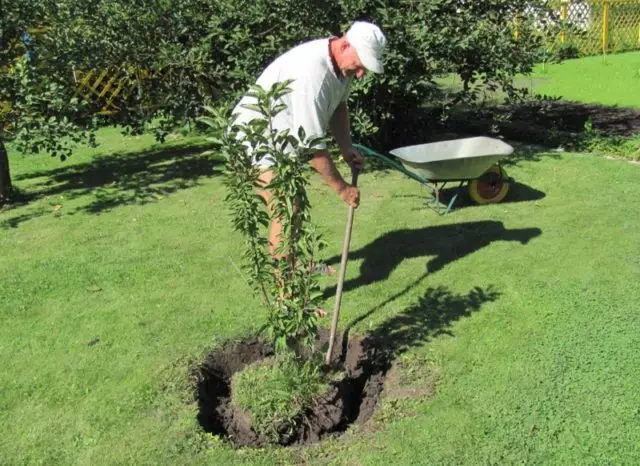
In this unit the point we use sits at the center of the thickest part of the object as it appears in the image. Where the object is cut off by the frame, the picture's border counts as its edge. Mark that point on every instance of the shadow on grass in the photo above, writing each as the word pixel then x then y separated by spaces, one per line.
pixel 518 192
pixel 120 179
pixel 447 243
pixel 14 222
pixel 430 316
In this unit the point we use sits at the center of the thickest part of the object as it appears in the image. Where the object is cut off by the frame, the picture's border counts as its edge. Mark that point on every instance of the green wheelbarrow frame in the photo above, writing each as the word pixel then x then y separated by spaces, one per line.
pixel 435 185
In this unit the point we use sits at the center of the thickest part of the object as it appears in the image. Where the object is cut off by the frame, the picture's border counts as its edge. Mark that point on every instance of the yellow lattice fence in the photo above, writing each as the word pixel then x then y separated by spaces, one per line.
pixel 108 89
pixel 599 26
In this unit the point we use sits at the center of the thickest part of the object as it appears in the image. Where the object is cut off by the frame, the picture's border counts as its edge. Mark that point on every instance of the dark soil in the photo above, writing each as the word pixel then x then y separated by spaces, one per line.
pixel 350 400
pixel 549 123
pixel 546 122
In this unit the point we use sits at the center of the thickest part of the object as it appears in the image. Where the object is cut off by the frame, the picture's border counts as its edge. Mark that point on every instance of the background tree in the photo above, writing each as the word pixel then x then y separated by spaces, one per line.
pixel 15 100
pixel 178 55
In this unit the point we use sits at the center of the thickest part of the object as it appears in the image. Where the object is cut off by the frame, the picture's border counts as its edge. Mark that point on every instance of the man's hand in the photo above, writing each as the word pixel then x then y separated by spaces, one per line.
pixel 354 158
pixel 351 195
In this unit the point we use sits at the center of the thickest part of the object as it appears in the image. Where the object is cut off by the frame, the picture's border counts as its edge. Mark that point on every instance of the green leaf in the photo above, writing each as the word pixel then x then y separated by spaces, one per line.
pixel 254 107
pixel 213 123
pixel 301 134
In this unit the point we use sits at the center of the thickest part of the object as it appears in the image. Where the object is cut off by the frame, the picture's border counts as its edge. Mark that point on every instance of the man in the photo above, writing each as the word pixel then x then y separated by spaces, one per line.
pixel 322 71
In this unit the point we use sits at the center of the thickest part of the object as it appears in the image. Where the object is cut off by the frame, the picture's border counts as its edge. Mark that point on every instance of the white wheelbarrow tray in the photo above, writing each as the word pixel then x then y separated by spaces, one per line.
pixel 458 159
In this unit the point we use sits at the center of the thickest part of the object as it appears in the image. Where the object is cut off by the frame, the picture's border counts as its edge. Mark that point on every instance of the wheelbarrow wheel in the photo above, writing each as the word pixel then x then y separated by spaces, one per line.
pixel 491 187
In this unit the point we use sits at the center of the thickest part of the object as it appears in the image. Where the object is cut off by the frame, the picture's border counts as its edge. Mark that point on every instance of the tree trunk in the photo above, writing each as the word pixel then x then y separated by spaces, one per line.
pixel 5 174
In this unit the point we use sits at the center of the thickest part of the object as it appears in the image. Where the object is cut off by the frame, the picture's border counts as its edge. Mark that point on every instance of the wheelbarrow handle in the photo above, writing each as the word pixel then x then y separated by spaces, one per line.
pixel 377 155
pixel 389 161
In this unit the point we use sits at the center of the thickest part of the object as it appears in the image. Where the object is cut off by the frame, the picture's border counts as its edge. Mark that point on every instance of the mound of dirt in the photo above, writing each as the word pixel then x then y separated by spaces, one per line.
pixel 352 399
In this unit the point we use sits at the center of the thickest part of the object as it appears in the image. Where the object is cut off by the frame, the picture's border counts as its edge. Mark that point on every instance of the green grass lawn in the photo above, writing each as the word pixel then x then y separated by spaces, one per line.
pixel 123 269
pixel 610 80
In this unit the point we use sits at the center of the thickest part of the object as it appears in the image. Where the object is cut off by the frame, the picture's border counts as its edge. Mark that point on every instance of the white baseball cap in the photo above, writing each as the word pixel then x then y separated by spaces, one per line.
pixel 369 42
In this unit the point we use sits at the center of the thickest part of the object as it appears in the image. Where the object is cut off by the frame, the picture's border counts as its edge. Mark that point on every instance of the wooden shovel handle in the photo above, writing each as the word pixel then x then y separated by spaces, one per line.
pixel 343 269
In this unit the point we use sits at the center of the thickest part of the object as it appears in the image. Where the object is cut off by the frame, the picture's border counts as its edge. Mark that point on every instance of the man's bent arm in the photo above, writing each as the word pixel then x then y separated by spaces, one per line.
pixel 323 164
pixel 341 127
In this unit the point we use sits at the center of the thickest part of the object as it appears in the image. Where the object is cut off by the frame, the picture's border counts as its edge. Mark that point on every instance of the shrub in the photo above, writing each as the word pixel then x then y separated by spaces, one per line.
pixel 596 141
pixel 276 392
pixel 289 288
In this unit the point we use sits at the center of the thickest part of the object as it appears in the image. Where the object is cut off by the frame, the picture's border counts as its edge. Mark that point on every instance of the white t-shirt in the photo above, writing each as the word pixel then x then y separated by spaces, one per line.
pixel 316 92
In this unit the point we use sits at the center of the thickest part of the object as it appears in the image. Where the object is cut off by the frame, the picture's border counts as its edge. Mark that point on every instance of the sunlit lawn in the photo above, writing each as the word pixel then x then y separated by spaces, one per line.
pixel 122 270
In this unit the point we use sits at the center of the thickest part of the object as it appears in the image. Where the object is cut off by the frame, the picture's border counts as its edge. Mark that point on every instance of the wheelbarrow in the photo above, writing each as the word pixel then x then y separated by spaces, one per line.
pixel 471 161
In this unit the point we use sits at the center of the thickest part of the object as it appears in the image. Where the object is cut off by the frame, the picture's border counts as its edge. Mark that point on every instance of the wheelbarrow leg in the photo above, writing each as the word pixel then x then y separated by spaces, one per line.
pixel 434 202
pixel 454 198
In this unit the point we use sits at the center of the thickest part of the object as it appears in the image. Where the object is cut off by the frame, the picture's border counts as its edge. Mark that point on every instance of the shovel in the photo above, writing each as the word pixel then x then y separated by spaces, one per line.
pixel 343 269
